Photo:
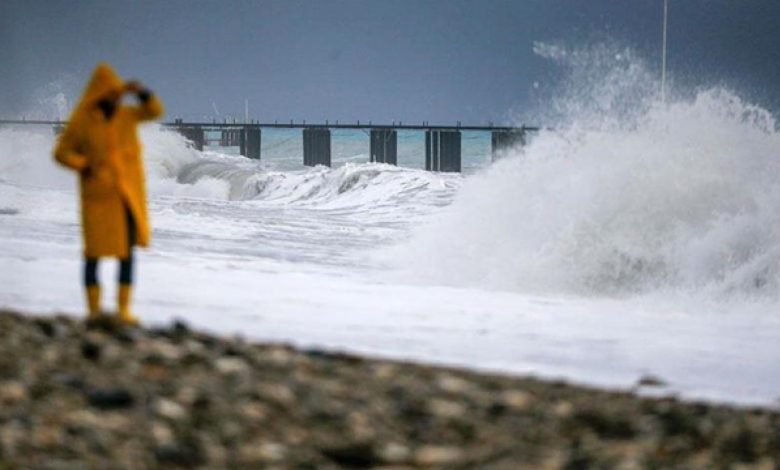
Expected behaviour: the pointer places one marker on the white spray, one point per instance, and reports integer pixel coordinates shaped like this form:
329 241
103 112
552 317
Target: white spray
628 196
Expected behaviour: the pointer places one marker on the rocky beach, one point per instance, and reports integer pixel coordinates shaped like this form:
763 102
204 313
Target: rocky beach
73 398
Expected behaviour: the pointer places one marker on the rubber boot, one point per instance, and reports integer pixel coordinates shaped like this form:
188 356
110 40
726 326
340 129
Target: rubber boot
125 316
93 302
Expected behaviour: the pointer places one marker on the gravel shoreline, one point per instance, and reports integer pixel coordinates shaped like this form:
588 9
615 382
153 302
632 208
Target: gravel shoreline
72 398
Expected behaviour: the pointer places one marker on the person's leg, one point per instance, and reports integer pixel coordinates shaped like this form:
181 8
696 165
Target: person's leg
92 287
126 270
126 275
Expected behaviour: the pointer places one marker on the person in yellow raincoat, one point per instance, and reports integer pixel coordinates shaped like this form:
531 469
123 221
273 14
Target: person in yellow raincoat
101 143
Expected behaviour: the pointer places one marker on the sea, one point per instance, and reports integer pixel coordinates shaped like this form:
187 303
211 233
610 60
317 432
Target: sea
635 235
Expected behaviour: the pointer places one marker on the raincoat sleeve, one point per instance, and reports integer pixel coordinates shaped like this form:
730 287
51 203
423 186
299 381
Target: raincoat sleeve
67 152
149 108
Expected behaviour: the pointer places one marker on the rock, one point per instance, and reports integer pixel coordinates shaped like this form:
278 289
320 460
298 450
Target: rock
354 455
265 452
231 365
90 350
359 425
164 350
110 398
394 453
179 328
446 408
128 335
516 399
254 411
12 392
162 434
47 437
169 409
279 356
384 371
451 384
437 455
185 451
67 379
278 394
238 405
82 419
562 409
12 436
48 327
605 423
651 381
316 353
187 395
178 454
193 347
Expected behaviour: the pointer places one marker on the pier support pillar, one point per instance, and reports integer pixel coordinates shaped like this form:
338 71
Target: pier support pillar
316 147
194 135
504 140
384 146
442 150
250 142
232 138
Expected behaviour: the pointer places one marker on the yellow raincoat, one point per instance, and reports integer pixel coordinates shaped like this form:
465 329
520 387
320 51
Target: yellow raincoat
107 155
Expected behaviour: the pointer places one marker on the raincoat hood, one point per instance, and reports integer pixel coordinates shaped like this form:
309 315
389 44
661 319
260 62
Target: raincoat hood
104 80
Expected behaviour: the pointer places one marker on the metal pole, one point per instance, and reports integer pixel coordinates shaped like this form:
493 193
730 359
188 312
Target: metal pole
663 56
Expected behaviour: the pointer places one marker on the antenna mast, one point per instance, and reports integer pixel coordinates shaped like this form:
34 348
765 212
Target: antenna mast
663 57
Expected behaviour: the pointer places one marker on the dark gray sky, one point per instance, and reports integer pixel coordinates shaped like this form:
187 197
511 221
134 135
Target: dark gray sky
386 60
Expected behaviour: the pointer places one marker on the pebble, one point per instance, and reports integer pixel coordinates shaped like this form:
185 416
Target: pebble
254 411
149 404
231 365
110 398
354 454
167 351
264 452
12 392
516 399
437 455
169 409
451 384
90 350
563 409
446 408
394 452
162 434
278 394
272 451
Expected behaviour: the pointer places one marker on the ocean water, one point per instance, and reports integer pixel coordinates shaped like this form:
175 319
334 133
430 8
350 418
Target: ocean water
633 237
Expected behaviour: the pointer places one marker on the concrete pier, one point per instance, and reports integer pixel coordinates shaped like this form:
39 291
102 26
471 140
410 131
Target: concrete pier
384 146
316 146
251 142
442 150
504 140
231 138
194 134
442 142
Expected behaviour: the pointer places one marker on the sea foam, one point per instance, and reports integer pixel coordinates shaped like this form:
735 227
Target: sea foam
626 196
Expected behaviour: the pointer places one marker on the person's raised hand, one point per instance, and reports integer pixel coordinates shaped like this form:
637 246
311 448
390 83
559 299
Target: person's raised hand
133 86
